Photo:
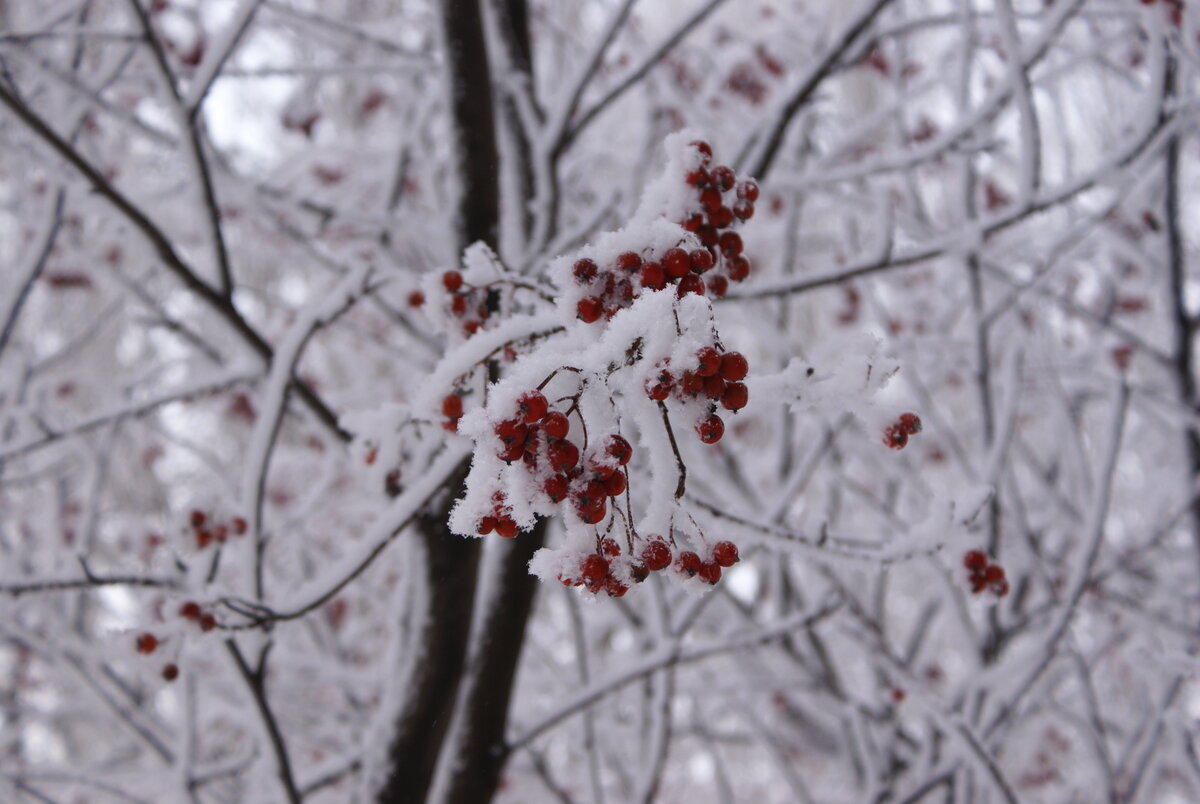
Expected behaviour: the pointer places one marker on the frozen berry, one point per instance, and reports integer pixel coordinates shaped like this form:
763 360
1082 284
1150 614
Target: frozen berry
610 547
452 407
555 424
416 299
734 367
723 177
718 286
453 280
190 610
584 270
739 268
735 396
725 553
711 428
975 560
619 449
629 262
564 455
556 488
688 563
743 210
730 244
701 260
710 572
593 571
657 555
532 406
653 276
506 528
170 672
911 423
709 361
676 263
691 283
198 518
147 643
589 309
748 190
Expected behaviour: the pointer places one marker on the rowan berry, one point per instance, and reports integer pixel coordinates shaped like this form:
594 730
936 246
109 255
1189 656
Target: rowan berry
725 553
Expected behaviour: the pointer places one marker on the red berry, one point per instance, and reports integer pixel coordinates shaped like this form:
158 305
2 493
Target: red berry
688 563
592 514
739 268
564 455
719 286
653 276
416 299
512 431
506 528
710 572
198 518
458 305
994 573
589 309
207 622
708 236
658 391
692 383
614 588
724 177
657 555
725 553
610 547
710 199
676 262
911 423
748 190
556 488
239 525
628 261
734 366
619 449
735 396
743 210
701 260
453 280
710 361
512 452
487 525
614 484
698 178
593 571
584 270
975 560
556 424
692 283
190 610
895 438
711 428
203 539
170 672
721 217
638 572
714 387
532 406
730 244
147 643
704 148
452 407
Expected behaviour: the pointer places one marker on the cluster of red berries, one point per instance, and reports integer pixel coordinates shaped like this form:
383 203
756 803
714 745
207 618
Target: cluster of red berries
468 304
191 610
538 437
146 643
207 529
702 270
715 376
500 520
983 574
897 433
595 571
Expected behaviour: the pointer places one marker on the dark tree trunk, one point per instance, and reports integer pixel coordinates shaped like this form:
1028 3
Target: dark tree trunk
440 682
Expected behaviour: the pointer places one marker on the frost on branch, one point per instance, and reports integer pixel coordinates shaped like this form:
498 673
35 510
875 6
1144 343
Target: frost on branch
595 421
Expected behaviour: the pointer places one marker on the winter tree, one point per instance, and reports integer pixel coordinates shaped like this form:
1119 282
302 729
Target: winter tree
609 401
